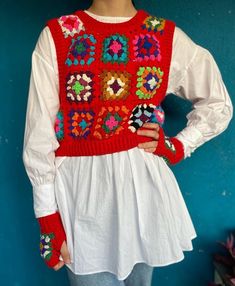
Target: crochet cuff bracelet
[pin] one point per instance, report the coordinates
(170, 148)
(52, 235)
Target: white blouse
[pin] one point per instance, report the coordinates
(126, 207)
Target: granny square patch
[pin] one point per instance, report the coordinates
(115, 49)
(70, 25)
(79, 86)
(81, 51)
(156, 24)
(158, 115)
(110, 121)
(141, 113)
(46, 245)
(148, 81)
(80, 123)
(169, 144)
(146, 47)
(59, 125)
(115, 85)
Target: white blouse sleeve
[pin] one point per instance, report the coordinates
(195, 76)
(40, 140)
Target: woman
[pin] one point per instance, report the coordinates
(112, 215)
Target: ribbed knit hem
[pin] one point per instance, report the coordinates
(101, 147)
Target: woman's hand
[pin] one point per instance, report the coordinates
(170, 149)
(153, 132)
(53, 241)
(65, 255)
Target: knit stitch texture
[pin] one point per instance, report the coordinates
(112, 79)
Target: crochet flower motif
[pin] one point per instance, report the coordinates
(82, 50)
(148, 82)
(169, 144)
(171, 147)
(158, 115)
(110, 121)
(79, 86)
(59, 125)
(144, 112)
(146, 47)
(46, 245)
(70, 25)
(115, 85)
(115, 49)
(155, 24)
(80, 123)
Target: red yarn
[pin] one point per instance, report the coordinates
(109, 73)
(51, 225)
(172, 155)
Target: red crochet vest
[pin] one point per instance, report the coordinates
(112, 79)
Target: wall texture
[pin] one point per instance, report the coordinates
(206, 179)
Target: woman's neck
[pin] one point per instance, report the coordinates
(115, 8)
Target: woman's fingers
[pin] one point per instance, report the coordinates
(65, 253)
(147, 145)
(59, 265)
(150, 150)
(153, 132)
(151, 125)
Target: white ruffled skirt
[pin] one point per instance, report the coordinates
(119, 209)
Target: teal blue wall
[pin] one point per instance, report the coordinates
(207, 179)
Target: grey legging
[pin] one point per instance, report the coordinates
(141, 275)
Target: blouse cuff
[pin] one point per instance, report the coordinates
(191, 138)
(44, 200)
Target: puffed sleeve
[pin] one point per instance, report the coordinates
(196, 77)
(40, 140)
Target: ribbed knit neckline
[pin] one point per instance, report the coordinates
(90, 21)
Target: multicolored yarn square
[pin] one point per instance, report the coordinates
(153, 23)
(166, 160)
(158, 115)
(141, 113)
(80, 123)
(70, 25)
(59, 125)
(148, 81)
(81, 51)
(79, 86)
(115, 85)
(115, 49)
(46, 245)
(146, 47)
(110, 121)
(169, 144)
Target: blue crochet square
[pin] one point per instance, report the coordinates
(115, 49)
(81, 51)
